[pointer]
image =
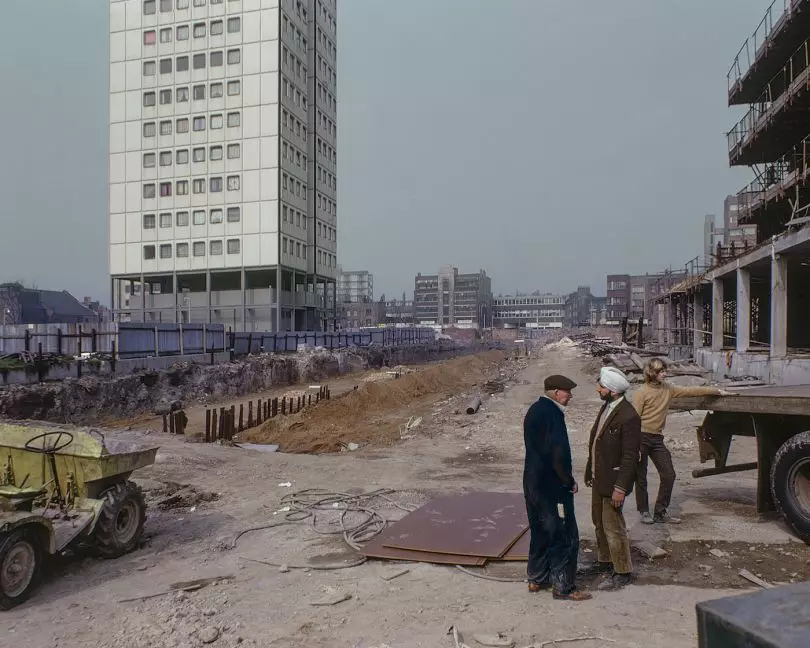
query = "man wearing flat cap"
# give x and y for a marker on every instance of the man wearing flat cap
(611, 470)
(549, 487)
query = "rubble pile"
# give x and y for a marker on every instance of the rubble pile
(95, 398)
(629, 359)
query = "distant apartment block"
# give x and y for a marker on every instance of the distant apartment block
(597, 312)
(355, 286)
(617, 306)
(359, 314)
(632, 296)
(222, 162)
(453, 300)
(537, 310)
(578, 307)
(396, 312)
(737, 237)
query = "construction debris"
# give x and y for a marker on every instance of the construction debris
(394, 574)
(474, 405)
(650, 550)
(331, 599)
(496, 641)
(184, 586)
(756, 580)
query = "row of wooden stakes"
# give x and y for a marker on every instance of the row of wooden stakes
(224, 422)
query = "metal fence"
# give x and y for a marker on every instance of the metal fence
(243, 343)
(142, 340)
(62, 339)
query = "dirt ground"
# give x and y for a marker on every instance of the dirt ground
(203, 495)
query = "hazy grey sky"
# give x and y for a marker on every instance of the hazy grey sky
(549, 142)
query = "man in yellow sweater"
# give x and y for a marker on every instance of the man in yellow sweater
(652, 402)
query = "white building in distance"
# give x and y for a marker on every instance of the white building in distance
(222, 177)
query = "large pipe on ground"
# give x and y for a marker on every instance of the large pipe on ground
(708, 472)
(474, 404)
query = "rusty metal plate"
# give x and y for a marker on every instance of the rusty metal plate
(520, 550)
(377, 549)
(475, 524)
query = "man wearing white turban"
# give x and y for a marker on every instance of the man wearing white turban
(611, 470)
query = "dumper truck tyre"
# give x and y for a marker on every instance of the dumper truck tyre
(790, 483)
(120, 520)
(21, 558)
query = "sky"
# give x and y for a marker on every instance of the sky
(549, 143)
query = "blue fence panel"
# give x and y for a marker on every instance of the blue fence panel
(288, 342)
(139, 340)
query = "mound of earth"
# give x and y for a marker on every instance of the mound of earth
(374, 413)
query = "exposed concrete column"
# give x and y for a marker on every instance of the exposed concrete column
(295, 301)
(178, 307)
(208, 317)
(143, 298)
(743, 310)
(244, 298)
(779, 306)
(663, 333)
(673, 323)
(697, 319)
(717, 315)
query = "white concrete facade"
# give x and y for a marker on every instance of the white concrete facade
(217, 163)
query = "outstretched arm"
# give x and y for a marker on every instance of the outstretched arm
(683, 392)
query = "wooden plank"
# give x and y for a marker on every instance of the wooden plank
(794, 400)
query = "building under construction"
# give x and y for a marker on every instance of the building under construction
(748, 314)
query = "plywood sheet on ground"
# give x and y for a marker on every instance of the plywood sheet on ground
(520, 550)
(377, 549)
(480, 524)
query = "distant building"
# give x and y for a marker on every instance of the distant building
(450, 299)
(737, 237)
(597, 312)
(396, 312)
(578, 307)
(538, 310)
(102, 312)
(223, 162)
(20, 305)
(617, 306)
(355, 286)
(632, 296)
(359, 314)
(712, 237)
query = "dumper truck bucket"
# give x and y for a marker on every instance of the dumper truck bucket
(95, 461)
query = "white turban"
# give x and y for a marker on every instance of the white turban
(614, 380)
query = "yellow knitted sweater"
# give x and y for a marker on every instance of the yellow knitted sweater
(652, 400)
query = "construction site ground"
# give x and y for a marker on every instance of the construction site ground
(202, 495)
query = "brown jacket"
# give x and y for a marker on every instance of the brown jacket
(613, 459)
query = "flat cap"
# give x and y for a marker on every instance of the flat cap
(558, 382)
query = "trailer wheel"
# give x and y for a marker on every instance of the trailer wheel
(120, 521)
(790, 483)
(20, 566)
